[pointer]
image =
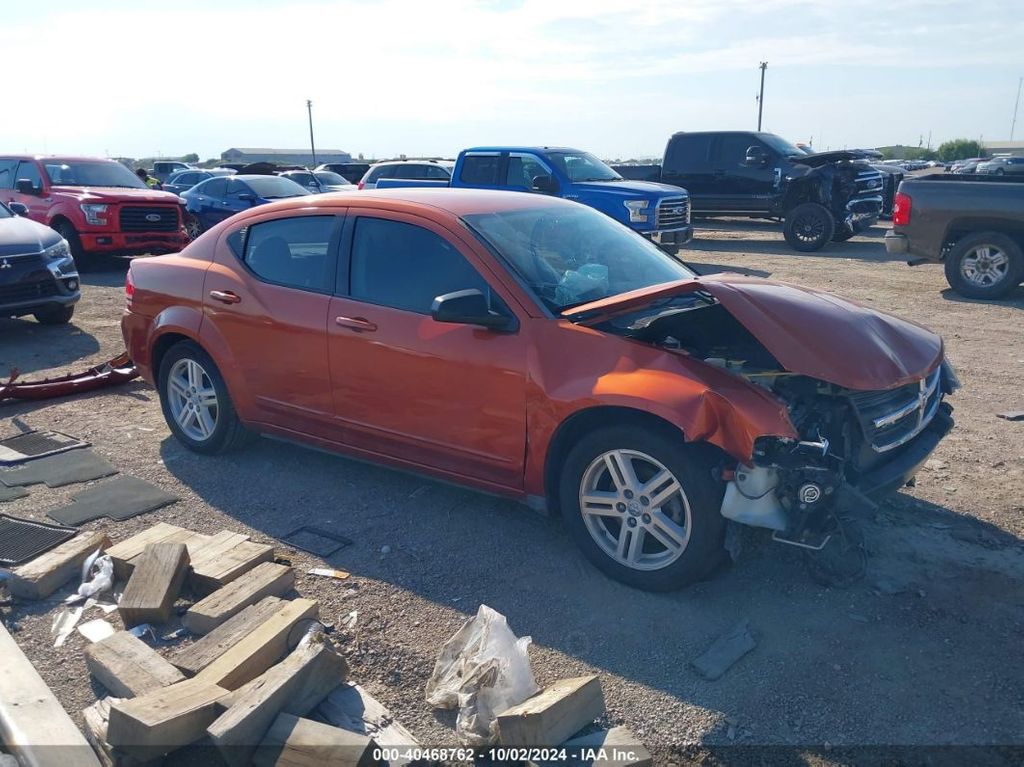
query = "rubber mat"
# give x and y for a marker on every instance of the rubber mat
(59, 470)
(24, 539)
(119, 498)
(316, 540)
(35, 444)
(10, 493)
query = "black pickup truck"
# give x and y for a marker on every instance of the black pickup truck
(820, 198)
(974, 226)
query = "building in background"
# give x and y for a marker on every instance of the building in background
(1003, 147)
(283, 156)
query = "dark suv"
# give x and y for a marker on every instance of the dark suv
(38, 276)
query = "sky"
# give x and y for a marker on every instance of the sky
(428, 78)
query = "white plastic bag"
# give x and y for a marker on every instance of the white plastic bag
(483, 670)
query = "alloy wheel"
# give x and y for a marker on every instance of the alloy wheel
(808, 228)
(984, 266)
(193, 399)
(635, 509)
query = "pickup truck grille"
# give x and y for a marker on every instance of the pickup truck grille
(149, 218)
(894, 417)
(869, 182)
(673, 213)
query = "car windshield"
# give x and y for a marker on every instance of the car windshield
(781, 146)
(305, 179)
(571, 256)
(332, 179)
(274, 187)
(582, 166)
(92, 173)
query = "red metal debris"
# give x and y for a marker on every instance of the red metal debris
(117, 371)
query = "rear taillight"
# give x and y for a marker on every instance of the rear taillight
(129, 289)
(360, 185)
(901, 209)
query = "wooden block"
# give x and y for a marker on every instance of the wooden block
(154, 585)
(225, 557)
(295, 742)
(552, 715)
(127, 666)
(126, 553)
(352, 708)
(32, 722)
(295, 685)
(160, 721)
(266, 579)
(260, 649)
(619, 746)
(195, 657)
(95, 720)
(48, 572)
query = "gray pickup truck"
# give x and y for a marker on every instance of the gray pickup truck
(974, 226)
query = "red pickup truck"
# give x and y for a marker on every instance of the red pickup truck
(97, 205)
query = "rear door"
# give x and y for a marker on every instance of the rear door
(266, 299)
(687, 164)
(442, 396)
(204, 201)
(481, 170)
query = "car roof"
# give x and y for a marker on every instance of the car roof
(525, 149)
(57, 157)
(455, 202)
(411, 162)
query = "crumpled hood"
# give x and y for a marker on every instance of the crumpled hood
(20, 235)
(824, 158)
(639, 188)
(809, 332)
(106, 194)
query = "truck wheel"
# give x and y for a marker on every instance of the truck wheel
(984, 265)
(60, 316)
(809, 227)
(193, 227)
(67, 231)
(643, 506)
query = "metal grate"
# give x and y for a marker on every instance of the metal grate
(22, 539)
(672, 213)
(316, 540)
(36, 444)
(150, 218)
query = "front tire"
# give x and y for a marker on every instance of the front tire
(60, 316)
(196, 404)
(809, 227)
(68, 232)
(984, 265)
(643, 506)
(193, 226)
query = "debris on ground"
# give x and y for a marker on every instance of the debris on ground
(328, 573)
(1012, 415)
(97, 578)
(116, 371)
(96, 630)
(482, 670)
(725, 651)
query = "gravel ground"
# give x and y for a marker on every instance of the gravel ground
(925, 651)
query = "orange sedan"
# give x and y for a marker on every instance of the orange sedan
(534, 347)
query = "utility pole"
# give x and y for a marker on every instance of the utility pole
(760, 98)
(1016, 104)
(312, 146)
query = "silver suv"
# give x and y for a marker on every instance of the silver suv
(420, 170)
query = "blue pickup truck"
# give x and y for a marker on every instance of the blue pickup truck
(660, 212)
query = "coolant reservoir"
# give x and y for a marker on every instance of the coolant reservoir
(750, 498)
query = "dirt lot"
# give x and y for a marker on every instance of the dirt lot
(927, 650)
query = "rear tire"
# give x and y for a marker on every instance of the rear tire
(60, 316)
(809, 227)
(650, 533)
(984, 265)
(196, 403)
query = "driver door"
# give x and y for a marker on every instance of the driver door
(441, 396)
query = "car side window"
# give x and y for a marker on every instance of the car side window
(215, 187)
(233, 188)
(522, 169)
(480, 169)
(294, 252)
(31, 172)
(732, 148)
(438, 172)
(7, 173)
(405, 266)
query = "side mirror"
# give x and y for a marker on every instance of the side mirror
(24, 186)
(469, 307)
(756, 157)
(247, 197)
(544, 184)
(18, 209)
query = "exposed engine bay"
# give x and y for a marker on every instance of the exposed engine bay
(854, 446)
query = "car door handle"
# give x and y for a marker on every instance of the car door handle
(225, 296)
(359, 324)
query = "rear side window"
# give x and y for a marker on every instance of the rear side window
(405, 266)
(384, 171)
(215, 187)
(481, 169)
(294, 252)
(436, 171)
(687, 153)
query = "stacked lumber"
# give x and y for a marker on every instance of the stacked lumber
(264, 580)
(154, 584)
(45, 574)
(554, 714)
(128, 667)
(295, 742)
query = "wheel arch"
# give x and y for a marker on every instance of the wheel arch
(959, 228)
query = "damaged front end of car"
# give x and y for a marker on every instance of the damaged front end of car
(855, 447)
